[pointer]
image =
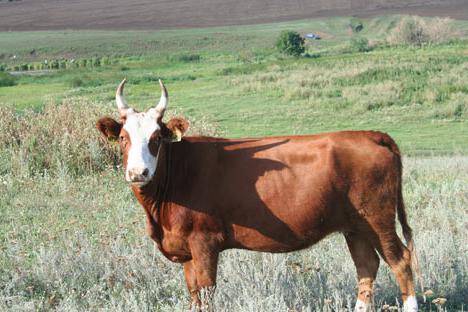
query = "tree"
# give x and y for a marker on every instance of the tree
(290, 42)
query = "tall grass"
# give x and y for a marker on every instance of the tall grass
(62, 138)
(417, 31)
(78, 244)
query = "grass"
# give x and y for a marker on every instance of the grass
(71, 234)
(71, 244)
(424, 89)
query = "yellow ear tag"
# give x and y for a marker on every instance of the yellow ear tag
(113, 140)
(177, 136)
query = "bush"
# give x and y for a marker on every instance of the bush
(7, 80)
(356, 25)
(416, 31)
(290, 43)
(187, 58)
(360, 44)
(63, 138)
(54, 64)
(76, 82)
(96, 62)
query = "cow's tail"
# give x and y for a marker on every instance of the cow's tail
(408, 235)
(386, 140)
(401, 211)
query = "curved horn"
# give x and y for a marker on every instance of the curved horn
(161, 107)
(121, 104)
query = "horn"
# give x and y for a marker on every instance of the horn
(121, 104)
(161, 107)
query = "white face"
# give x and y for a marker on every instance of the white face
(141, 163)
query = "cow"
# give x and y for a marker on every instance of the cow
(202, 195)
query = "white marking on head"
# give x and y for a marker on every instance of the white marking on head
(141, 164)
(140, 127)
(411, 304)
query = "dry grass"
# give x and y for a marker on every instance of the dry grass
(417, 31)
(62, 139)
(78, 244)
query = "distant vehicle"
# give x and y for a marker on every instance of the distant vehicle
(313, 36)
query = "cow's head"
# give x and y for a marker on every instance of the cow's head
(141, 135)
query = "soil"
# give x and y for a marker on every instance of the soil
(169, 14)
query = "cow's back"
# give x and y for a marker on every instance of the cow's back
(286, 193)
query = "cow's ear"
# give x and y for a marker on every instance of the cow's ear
(177, 126)
(109, 127)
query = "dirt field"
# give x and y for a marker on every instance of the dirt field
(165, 14)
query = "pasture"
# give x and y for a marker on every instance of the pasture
(72, 236)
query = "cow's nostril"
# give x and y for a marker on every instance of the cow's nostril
(145, 172)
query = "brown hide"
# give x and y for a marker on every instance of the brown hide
(270, 194)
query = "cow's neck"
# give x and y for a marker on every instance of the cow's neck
(153, 195)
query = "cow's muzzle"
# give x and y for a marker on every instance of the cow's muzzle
(139, 176)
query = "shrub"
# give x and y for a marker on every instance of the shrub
(76, 82)
(7, 80)
(290, 43)
(356, 25)
(416, 31)
(3, 67)
(360, 44)
(105, 61)
(96, 62)
(63, 138)
(187, 58)
(54, 64)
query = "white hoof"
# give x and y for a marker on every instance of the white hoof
(410, 305)
(362, 306)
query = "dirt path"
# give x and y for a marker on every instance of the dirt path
(166, 14)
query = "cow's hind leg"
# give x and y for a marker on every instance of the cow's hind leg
(398, 257)
(366, 261)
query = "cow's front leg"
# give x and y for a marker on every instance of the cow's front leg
(204, 264)
(192, 286)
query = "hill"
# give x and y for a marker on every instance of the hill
(163, 14)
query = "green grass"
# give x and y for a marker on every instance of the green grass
(233, 77)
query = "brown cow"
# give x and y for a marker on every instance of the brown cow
(202, 195)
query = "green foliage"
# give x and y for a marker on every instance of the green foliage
(76, 82)
(360, 44)
(7, 80)
(186, 58)
(96, 62)
(356, 25)
(290, 43)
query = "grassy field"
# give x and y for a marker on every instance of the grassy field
(335, 88)
(71, 244)
(71, 234)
